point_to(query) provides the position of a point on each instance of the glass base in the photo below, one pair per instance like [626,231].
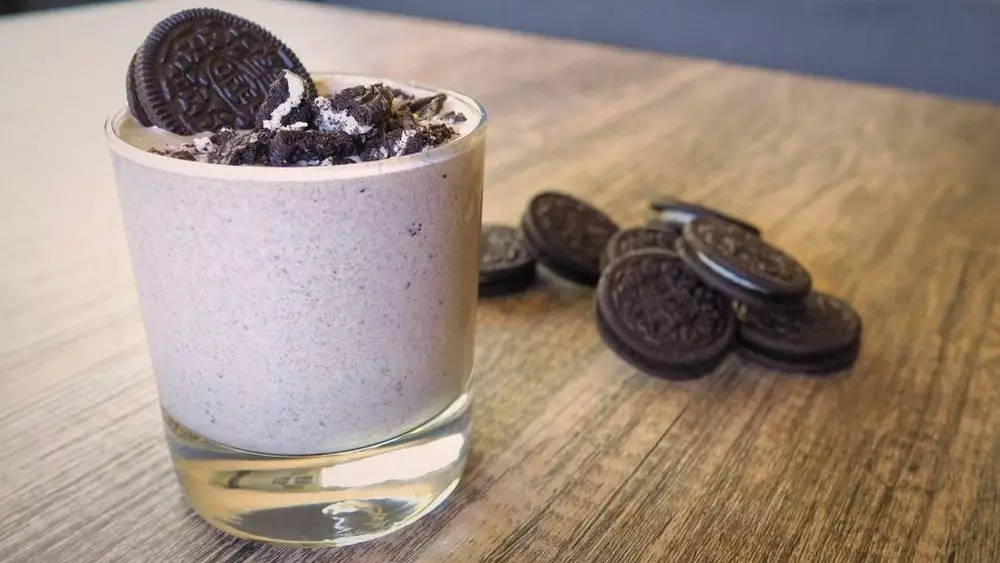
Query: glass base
[324,500]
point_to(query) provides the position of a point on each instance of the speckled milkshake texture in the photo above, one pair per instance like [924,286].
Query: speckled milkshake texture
[307,317]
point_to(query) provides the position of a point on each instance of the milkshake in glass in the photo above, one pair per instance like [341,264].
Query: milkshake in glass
[311,327]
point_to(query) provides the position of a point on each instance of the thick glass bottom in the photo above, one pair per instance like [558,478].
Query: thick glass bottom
[324,500]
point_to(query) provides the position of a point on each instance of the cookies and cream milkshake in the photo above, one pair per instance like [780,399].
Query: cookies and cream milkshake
[310,309]
[305,249]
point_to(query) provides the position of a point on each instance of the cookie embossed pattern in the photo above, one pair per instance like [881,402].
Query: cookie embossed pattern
[204,69]
[568,234]
[507,263]
[305,249]
[637,238]
[672,324]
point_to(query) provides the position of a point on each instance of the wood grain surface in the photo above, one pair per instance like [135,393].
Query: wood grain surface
[891,199]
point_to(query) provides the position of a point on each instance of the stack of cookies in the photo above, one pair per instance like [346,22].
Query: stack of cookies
[676,296]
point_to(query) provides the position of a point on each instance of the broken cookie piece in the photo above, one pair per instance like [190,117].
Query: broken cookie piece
[308,148]
[402,142]
[287,102]
[355,111]
[453,118]
[358,123]
[242,149]
[426,108]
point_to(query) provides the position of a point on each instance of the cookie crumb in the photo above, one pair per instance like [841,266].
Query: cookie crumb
[356,124]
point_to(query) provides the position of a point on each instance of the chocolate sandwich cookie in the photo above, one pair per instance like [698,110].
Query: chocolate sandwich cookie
[402,142]
[568,235]
[290,147]
[428,107]
[132,95]
[678,212]
[637,238]
[240,149]
[204,69]
[506,262]
[658,316]
[287,104]
[360,111]
[822,335]
[660,224]
[741,265]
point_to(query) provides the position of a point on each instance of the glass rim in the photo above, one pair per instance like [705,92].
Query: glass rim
[435,155]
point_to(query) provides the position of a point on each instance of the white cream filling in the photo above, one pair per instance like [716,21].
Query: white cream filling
[297,126]
[718,269]
[404,138]
[204,145]
[328,161]
[676,216]
[296,92]
[329,120]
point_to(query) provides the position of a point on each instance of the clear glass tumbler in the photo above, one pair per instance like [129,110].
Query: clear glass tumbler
[311,329]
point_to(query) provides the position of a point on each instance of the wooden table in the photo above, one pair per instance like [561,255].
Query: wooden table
[892,199]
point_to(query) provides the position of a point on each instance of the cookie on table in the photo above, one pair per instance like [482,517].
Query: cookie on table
[506,262]
[501,288]
[637,238]
[678,212]
[568,235]
[660,224]
[822,335]
[203,69]
[741,265]
[660,318]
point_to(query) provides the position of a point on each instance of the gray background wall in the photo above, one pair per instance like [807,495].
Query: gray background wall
[949,47]
[938,46]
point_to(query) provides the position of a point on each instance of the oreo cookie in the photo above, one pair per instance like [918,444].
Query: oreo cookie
[506,262]
[637,238]
[822,335]
[677,212]
[239,149]
[453,117]
[660,224]
[568,234]
[204,69]
[402,142]
[357,111]
[428,107]
[659,317]
[132,95]
[291,147]
[286,104]
[740,264]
